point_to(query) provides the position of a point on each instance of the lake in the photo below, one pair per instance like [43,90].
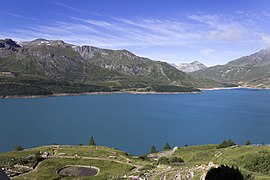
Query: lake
[134,123]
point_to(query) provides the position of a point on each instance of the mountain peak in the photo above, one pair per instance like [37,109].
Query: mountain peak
[8,43]
[190,67]
[46,42]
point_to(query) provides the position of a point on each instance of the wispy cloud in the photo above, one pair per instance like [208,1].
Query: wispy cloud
[266,40]
[119,32]
[220,28]
[206,52]
[69,7]
[20,16]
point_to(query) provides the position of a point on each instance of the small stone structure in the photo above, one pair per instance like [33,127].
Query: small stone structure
[78,170]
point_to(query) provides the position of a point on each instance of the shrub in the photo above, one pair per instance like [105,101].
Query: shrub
[163,160]
[259,162]
[153,149]
[224,172]
[91,141]
[147,167]
[172,160]
[176,160]
[143,157]
[247,143]
[167,146]
[18,148]
[226,144]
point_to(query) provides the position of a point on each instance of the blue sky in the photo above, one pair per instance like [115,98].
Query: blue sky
[211,31]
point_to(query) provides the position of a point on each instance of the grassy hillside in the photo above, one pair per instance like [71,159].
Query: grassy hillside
[253,161]
[251,71]
[65,68]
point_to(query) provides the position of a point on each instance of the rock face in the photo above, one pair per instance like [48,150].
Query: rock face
[190,67]
[252,70]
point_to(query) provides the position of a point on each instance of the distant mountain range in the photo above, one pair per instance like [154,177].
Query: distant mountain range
[52,66]
[190,67]
[249,71]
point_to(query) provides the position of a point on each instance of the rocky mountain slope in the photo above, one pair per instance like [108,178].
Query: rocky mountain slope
[190,67]
[251,71]
[62,62]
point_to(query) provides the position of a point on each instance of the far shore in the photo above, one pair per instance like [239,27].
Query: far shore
[224,88]
[127,92]
[96,93]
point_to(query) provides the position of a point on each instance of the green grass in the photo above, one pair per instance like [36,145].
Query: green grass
[236,155]
[112,168]
[108,170]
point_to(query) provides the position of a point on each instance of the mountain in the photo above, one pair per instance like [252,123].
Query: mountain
[250,71]
[70,68]
[190,67]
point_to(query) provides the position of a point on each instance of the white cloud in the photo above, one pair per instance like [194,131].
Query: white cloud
[117,32]
[198,33]
[68,7]
[266,40]
[220,28]
[206,52]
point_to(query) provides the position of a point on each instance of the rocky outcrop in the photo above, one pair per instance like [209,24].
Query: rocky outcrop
[190,67]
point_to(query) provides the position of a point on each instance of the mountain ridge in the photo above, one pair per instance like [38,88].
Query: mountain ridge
[58,61]
[250,71]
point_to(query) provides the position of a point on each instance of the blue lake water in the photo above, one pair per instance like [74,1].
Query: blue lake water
[134,123]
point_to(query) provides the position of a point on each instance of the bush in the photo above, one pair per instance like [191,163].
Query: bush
[167,146]
[163,160]
[224,172]
[176,160]
[153,149]
[91,141]
[259,162]
[147,167]
[143,157]
[168,161]
[226,144]
[18,148]
[247,143]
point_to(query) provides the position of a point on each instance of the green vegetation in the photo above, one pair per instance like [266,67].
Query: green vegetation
[252,161]
[18,148]
[153,149]
[170,161]
[248,143]
[224,172]
[226,144]
[91,141]
[44,70]
[258,162]
[171,88]
[167,147]
[33,85]
[251,71]
[143,157]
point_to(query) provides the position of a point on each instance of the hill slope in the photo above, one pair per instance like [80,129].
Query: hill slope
[76,66]
[252,70]
[115,164]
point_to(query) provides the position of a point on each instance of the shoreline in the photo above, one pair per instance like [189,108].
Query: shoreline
[228,88]
[94,93]
[127,92]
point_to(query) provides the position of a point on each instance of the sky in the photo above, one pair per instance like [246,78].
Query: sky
[210,31]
